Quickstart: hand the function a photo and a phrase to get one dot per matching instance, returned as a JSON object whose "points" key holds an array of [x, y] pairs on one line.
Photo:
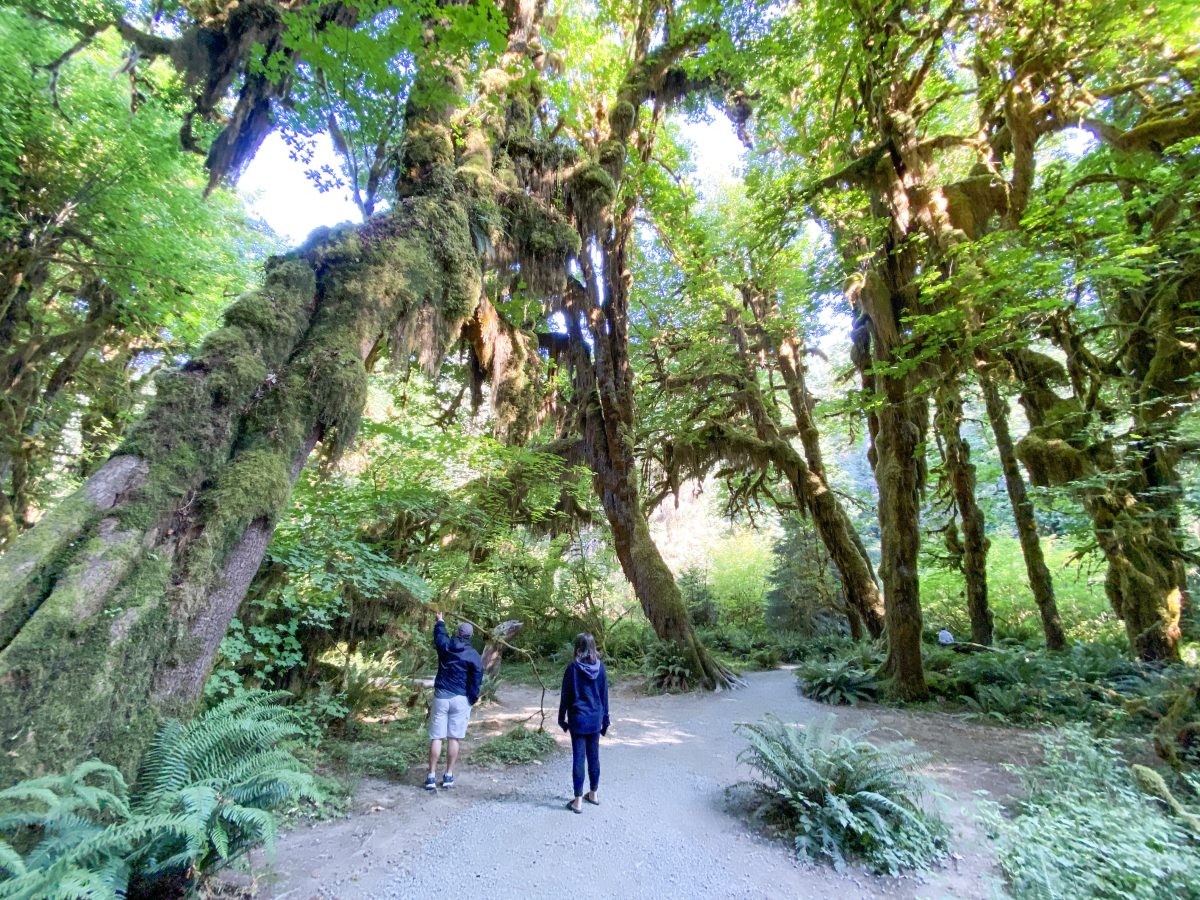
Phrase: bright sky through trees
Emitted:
{"points": [[279, 192]]}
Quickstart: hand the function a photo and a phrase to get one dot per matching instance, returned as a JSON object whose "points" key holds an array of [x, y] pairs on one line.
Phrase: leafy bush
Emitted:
{"points": [[766, 658], [1094, 683], [820, 647], [841, 684], [1084, 829], [517, 747], [204, 796], [842, 797], [666, 669], [792, 645]]}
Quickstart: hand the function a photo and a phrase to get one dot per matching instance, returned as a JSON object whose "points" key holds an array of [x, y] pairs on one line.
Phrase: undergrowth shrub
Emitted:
{"points": [[1084, 829], [517, 747], [375, 749], [1093, 683], [204, 797], [841, 797], [843, 683], [666, 669]]}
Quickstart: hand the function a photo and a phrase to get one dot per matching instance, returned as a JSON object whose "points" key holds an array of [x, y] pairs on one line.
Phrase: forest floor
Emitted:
{"points": [[673, 821]]}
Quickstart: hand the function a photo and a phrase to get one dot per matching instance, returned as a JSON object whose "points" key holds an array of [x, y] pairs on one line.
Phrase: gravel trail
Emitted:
{"points": [[670, 822]]}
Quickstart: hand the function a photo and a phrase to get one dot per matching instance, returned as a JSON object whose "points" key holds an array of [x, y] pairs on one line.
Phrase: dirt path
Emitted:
{"points": [[666, 826]]}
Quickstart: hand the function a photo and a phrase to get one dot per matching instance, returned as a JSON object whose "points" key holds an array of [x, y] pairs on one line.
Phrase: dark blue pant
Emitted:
{"points": [[581, 745]]}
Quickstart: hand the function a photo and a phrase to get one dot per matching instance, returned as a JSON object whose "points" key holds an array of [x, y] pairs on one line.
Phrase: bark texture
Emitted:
{"points": [[960, 472], [1041, 585]]}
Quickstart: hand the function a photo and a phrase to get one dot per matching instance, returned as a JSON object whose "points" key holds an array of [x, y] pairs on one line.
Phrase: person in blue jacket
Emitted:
{"points": [[583, 711], [455, 691]]}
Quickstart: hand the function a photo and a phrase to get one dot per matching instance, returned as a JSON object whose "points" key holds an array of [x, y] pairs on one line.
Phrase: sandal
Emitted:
{"points": [[591, 800], [578, 810]]}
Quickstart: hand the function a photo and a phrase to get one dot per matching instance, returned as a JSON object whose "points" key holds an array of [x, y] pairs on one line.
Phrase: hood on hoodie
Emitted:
{"points": [[590, 669]]}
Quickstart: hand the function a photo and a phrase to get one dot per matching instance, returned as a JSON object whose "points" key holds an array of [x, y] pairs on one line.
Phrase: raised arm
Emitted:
{"points": [[441, 639]]}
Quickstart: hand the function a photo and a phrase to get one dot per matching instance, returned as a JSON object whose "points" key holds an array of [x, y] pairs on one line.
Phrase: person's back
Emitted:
{"points": [[455, 691], [583, 711], [460, 668], [587, 692]]}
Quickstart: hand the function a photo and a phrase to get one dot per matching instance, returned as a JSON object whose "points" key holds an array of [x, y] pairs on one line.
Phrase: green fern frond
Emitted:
{"points": [[843, 796], [204, 797]]}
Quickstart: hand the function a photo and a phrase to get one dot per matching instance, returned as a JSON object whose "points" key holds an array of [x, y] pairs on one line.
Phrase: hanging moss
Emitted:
{"points": [[1052, 461], [611, 157], [621, 119], [590, 192], [542, 240], [339, 392]]}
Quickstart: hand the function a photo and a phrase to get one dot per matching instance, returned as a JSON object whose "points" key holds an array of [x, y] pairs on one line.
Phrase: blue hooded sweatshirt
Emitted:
{"points": [[583, 703], [460, 669]]}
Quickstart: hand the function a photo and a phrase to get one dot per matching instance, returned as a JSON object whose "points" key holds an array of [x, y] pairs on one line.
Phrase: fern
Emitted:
{"points": [[842, 797], [220, 774], [667, 670], [204, 797], [840, 684], [1083, 827]]}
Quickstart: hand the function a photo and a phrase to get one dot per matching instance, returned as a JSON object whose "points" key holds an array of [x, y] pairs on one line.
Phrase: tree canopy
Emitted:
{"points": [[948, 306]]}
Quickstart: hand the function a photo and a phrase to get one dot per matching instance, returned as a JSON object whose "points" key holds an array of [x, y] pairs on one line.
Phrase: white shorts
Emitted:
{"points": [[449, 718]]}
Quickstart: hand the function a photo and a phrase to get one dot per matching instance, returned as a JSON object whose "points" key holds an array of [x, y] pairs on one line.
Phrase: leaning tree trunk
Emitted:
{"points": [[960, 472], [841, 538], [111, 609], [1040, 582], [604, 417], [809, 486]]}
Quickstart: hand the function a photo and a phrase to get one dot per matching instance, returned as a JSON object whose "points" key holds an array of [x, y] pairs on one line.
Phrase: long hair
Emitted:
{"points": [[585, 649]]}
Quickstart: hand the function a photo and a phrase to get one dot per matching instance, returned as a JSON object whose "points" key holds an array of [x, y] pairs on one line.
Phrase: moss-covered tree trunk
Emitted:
{"points": [[960, 472], [112, 608], [1137, 535], [841, 538], [1041, 585], [811, 490], [898, 474]]}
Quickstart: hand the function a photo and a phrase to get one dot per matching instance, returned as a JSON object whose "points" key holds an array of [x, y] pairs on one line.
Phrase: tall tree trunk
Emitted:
{"points": [[960, 472], [897, 472], [605, 417], [1040, 582], [842, 539], [811, 490]]}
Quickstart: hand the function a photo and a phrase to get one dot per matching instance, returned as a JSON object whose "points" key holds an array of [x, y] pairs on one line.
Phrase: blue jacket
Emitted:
{"points": [[460, 670], [583, 703]]}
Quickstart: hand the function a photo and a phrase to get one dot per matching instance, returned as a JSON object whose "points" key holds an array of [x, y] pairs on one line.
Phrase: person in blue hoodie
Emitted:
{"points": [[583, 711], [455, 691]]}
